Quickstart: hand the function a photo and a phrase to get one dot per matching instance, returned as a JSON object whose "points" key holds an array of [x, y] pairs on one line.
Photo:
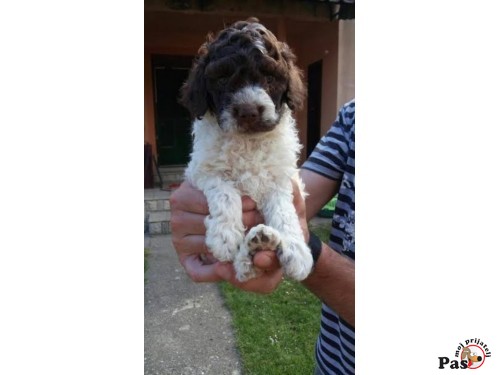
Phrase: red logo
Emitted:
{"points": [[475, 356], [469, 356]]}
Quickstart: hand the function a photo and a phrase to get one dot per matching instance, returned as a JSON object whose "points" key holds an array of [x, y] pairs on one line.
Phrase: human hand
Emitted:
{"points": [[189, 209]]}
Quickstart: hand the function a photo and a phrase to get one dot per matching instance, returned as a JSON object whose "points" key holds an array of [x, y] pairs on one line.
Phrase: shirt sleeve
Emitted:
{"points": [[329, 158]]}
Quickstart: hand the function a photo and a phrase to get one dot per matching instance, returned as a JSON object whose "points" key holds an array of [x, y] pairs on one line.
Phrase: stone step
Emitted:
{"points": [[153, 205], [156, 211], [170, 175], [158, 216]]}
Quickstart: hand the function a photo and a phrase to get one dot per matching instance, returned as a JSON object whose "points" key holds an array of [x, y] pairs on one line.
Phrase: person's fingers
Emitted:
{"points": [[252, 218], [189, 209], [194, 244], [200, 271], [187, 198], [208, 258], [247, 203], [266, 260], [197, 270], [265, 283], [182, 221]]}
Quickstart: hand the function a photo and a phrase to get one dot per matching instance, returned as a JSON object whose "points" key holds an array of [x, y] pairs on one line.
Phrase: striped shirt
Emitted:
{"points": [[333, 158]]}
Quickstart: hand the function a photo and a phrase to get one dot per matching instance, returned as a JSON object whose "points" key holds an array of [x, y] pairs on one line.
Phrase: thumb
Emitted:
{"points": [[225, 271], [266, 260]]}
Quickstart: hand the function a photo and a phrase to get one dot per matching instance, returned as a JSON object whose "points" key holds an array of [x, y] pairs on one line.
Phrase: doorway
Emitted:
{"points": [[172, 120], [314, 79]]}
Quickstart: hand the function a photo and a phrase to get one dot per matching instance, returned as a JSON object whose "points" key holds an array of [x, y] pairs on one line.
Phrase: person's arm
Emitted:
{"points": [[319, 189], [332, 279]]}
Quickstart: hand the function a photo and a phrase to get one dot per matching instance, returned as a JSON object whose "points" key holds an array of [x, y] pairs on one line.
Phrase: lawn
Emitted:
{"points": [[276, 333]]}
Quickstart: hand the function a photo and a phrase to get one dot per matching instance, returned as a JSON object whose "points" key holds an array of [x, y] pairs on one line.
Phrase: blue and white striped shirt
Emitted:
{"points": [[333, 158]]}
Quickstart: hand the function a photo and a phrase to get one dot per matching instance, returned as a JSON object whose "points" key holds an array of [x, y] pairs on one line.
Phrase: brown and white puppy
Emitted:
{"points": [[241, 91]]}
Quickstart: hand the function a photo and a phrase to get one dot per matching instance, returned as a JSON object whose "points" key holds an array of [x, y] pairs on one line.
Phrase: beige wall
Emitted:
{"points": [[333, 43], [346, 80], [318, 43]]}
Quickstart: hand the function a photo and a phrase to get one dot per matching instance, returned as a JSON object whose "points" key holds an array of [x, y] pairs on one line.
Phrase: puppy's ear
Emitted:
{"points": [[296, 90], [194, 91]]}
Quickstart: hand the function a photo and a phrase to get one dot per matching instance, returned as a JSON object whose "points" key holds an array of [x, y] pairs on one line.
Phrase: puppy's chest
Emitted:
{"points": [[239, 162], [252, 167]]}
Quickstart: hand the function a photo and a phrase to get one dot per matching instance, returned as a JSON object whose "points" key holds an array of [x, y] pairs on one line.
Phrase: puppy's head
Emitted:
{"points": [[244, 77]]}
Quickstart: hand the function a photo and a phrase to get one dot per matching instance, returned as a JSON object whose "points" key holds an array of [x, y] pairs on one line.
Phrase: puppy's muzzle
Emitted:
{"points": [[248, 113], [249, 118]]}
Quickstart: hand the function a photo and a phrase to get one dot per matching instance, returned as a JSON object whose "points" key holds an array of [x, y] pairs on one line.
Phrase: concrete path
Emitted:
{"points": [[187, 329]]}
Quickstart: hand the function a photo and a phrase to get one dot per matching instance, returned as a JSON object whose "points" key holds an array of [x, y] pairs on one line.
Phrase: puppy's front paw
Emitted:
{"points": [[222, 249], [296, 260], [223, 241], [244, 268], [262, 237], [258, 238]]}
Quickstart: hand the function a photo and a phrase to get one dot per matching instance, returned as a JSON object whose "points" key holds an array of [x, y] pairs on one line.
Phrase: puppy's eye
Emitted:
{"points": [[222, 81], [270, 79]]}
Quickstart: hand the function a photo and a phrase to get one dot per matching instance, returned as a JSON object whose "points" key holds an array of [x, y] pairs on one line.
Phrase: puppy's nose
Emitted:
{"points": [[248, 112], [479, 358]]}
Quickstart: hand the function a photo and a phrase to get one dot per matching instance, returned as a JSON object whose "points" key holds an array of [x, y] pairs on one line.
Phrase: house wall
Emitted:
{"points": [[346, 59], [319, 43]]}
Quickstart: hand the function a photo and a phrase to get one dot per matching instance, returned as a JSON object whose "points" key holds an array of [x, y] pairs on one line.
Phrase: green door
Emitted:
{"points": [[172, 120]]}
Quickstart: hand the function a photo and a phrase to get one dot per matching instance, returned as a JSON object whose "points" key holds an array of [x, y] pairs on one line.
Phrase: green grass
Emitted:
{"points": [[328, 209], [321, 230], [275, 333]]}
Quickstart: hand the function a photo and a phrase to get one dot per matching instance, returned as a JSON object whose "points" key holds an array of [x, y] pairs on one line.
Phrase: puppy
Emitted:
{"points": [[241, 91]]}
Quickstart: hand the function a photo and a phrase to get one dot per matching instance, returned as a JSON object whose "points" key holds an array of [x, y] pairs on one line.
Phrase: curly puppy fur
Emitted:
{"points": [[241, 91]]}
